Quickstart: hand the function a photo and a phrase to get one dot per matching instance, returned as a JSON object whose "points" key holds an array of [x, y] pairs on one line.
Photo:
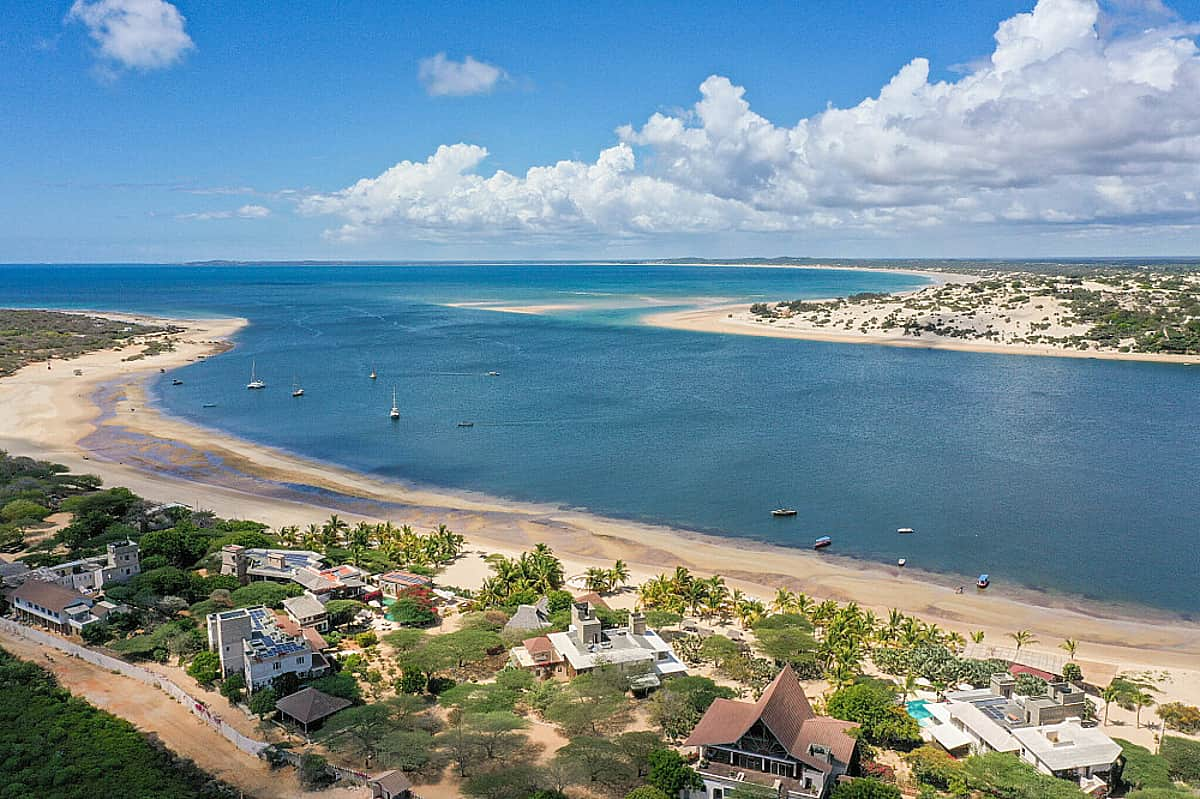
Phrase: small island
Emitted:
{"points": [[1125, 314], [30, 336]]}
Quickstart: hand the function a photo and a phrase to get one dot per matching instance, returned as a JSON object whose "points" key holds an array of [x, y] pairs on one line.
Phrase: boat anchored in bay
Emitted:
{"points": [[256, 382]]}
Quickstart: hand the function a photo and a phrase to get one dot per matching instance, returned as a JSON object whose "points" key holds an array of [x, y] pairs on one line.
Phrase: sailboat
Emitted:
{"points": [[255, 381], [373, 373], [395, 413], [297, 391]]}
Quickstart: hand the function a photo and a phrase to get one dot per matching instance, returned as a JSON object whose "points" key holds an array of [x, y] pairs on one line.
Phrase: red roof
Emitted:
{"points": [[537, 644], [785, 711], [1017, 668], [592, 598]]}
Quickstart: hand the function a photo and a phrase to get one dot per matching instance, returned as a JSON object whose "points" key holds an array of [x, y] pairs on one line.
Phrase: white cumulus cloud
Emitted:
{"points": [[245, 212], [444, 76], [1063, 127], [137, 34]]}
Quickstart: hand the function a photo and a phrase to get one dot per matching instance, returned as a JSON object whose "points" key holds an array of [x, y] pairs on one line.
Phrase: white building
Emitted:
{"points": [[249, 640], [52, 605], [307, 611], [120, 564], [586, 645], [1069, 750]]}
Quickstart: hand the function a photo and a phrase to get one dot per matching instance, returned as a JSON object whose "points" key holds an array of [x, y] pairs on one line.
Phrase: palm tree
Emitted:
{"points": [[312, 536], [1022, 638], [1070, 646], [910, 685], [332, 530], [360, 542], [289, 534], [784, 600], [1109, 695], [1140, 699], [618, 574], [597, 580], [977, 637]]}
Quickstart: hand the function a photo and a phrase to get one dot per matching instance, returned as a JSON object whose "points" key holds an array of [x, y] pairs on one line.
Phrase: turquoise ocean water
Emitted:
{"points": [[1074, 476]]}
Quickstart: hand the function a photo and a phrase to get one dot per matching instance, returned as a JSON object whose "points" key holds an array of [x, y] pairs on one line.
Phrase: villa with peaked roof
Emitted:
{"points": [[777, 743]]}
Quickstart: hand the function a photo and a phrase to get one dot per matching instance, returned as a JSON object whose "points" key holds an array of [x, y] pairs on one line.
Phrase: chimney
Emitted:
{"points": [[637, 622]]}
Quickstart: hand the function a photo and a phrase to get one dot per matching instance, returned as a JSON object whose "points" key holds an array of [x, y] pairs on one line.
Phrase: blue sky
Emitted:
{"points": [[142, 130]]}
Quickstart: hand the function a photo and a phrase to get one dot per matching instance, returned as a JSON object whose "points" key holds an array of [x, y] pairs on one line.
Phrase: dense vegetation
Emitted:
{"points": [[31, 336], [53, 744]]}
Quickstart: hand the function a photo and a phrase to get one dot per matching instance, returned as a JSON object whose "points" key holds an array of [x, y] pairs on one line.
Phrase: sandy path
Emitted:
{"points": [[151, 710], [49, 412]]}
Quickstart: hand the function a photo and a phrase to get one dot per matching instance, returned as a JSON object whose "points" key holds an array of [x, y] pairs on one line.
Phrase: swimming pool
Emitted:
{"points": [[918, 710]]}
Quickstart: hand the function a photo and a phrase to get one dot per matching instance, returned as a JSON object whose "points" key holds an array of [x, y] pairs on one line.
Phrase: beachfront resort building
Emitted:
{"points": [[252, 641], [307, 611], [1046, 731], [52, 605], [777, 743], [587, 644], [119, 564], [300, 566], [395, 584]]}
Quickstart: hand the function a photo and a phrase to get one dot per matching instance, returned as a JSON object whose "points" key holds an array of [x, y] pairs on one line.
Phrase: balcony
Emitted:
{"points": [[773, 785]]}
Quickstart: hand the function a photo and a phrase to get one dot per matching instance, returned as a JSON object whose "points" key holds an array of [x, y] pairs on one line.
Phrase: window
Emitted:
{"points": [[278, 665], [718, 793], [300, 660]]}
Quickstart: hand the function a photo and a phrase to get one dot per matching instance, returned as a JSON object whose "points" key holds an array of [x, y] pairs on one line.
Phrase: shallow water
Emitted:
{"points": [[1076, 476]]}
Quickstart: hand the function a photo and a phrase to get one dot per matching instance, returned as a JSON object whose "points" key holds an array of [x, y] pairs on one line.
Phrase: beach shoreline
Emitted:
{"points": [[736, 319], [102, 422]]}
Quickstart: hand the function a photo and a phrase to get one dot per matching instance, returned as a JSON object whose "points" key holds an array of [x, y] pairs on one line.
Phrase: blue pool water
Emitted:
{"points": [[1043, 472], [918, 710]]}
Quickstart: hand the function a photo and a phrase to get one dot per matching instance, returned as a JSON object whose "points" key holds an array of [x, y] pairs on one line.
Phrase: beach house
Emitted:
{"points": [[776, 746], [307, 611], [52, 605], [587, 644], [250, 640], [396, 583], [119, 564], [1045, 730]]}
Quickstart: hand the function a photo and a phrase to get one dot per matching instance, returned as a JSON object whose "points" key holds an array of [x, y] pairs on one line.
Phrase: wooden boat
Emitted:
{"points": [[466, 424], [984, 581], [784, 512], [905, 531], [822, 542]]}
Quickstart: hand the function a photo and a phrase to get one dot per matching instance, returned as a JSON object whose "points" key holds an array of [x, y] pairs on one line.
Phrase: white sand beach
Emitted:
{"points": [[47, 413]]}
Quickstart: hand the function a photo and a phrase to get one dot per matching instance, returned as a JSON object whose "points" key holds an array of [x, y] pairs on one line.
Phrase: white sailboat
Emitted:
{"points": [[373, 375], [255, 381], [395, 412], [297, 391]]}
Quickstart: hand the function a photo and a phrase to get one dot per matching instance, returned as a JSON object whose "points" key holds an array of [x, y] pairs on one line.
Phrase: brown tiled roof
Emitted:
{"points": [[538, 643], [592, 598], [393, 781], [309, 705], [51, 596], [785, 710]]}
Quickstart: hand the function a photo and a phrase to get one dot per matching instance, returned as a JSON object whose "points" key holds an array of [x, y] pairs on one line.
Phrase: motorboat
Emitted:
{"points": [[984, 581], [493, 374], [822, 542], [784, 512], [902, 562], [466, 424], [297, 391], [177, 382], [905, 531]]}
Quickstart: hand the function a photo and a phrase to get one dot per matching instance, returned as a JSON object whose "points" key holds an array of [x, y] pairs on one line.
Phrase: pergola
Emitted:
{"points": [[308, 707]]}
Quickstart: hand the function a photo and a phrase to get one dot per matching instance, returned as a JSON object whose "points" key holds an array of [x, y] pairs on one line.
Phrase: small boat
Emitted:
{"points": [[297, 391], [177, 382], [822, 542], [784, 512], [984, 581], [493, 374], [466, 424], [256, 382], [905, 531], [210, 405], [395, 412], [373, 375], [901, 562]]}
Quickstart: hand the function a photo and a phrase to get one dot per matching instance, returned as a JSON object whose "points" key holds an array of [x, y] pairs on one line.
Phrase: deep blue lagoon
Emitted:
{"points": [[1075, 476]]}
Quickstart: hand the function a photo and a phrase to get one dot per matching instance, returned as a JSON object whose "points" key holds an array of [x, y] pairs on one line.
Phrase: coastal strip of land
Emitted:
{"points": [[1129, 316], [100, 421]]}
